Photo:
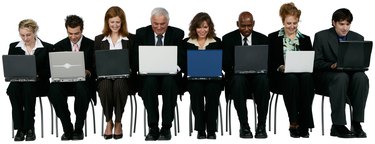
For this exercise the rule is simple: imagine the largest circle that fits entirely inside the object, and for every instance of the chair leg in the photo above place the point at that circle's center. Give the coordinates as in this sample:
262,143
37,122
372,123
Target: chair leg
174,123
144,121
269,112
230,117
322,115
12,128
178,119
86,127
226,116
131,115
57,126
190,121
93,116
255,114
41,116
274,127
51,118
102,122
135,112
221,119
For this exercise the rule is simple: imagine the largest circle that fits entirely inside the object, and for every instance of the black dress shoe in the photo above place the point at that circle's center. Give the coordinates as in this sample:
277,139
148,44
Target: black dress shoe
30,135
20,136
304,132
165,134
153,134
211,135
77,135
67,136
245,132
261,132
109,136
341,131
201,135
294,132
358,131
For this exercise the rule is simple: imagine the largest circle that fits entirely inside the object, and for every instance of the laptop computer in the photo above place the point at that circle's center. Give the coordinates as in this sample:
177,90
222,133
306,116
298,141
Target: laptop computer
158,60
19,68
204,64
67,66
299,61
112,64
251,59
354,55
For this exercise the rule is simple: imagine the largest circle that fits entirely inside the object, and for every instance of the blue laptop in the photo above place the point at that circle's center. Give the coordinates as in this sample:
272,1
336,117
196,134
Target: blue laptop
204,64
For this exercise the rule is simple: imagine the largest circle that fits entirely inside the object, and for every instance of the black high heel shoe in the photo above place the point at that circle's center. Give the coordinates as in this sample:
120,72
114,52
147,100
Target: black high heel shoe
118,136
108,136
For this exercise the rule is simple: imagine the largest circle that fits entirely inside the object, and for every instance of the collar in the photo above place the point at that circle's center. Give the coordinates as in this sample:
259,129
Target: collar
108,37
195,41
282,33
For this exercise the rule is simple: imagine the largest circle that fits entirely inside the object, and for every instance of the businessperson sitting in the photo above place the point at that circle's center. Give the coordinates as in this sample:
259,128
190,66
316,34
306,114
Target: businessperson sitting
342,86
297,88
83,90
22,95
240,86
204,94
167,85
113,93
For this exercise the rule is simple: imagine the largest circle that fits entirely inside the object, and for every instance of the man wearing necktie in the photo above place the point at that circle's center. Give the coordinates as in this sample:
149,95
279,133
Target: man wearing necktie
240,86
82,91
159,33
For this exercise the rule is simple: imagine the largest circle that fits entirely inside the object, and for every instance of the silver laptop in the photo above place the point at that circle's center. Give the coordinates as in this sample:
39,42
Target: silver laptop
19,68
112,64
251,59
67,66
299,61
158,60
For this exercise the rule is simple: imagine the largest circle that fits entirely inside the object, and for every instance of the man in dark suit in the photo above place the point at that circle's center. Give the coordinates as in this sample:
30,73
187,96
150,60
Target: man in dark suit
342,86
159,33
82,91
240,86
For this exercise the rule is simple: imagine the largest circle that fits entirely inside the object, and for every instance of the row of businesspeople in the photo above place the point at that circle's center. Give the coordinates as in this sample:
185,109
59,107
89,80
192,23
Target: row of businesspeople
296,88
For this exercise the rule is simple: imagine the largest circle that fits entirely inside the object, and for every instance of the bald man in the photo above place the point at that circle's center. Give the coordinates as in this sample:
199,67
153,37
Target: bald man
242,86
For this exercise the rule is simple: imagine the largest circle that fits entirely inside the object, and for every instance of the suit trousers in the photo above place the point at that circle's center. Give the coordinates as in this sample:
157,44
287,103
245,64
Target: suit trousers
241,87
342,86
22,96
205,112
113,94
59,92
298,94
152,86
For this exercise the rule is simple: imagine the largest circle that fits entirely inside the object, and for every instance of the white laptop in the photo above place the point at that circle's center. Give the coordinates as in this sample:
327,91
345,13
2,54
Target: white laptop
299,61
67,66
157,60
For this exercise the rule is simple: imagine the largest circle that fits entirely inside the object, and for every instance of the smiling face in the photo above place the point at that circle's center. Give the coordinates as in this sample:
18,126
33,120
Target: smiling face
341,27
290,24
74,34
202,30
114,24
27,35
246,24
159,24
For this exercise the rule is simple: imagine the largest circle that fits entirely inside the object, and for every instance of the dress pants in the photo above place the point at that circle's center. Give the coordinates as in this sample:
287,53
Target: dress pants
59,92
298,94
241,87
205,112
22,96
343,85
113,94
152,86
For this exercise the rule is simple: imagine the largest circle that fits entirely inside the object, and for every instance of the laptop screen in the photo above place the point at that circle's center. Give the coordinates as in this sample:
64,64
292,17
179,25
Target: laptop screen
67,66
204,64
354,55
19,68
112,63
299,61
158,60
251,59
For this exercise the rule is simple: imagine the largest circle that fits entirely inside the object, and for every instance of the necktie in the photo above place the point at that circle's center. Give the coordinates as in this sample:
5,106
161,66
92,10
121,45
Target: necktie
75,47
159,42
245,41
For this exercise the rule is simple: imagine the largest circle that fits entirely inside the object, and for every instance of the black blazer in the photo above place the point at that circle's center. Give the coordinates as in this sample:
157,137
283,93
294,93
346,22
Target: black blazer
232,39
42,64
126,44
87,46
326,48
276,55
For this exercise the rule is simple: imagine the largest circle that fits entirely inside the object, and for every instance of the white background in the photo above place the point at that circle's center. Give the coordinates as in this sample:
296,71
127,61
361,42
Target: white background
50,15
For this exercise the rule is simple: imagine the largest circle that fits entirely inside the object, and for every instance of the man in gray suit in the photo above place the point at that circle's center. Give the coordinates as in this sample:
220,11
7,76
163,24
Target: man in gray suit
342,86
